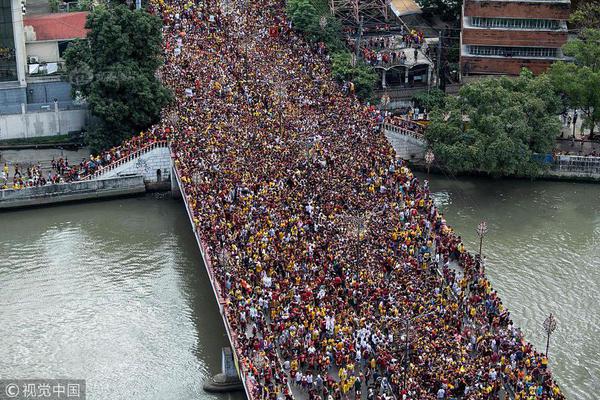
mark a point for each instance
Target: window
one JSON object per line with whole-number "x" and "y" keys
{"x": 516, "y": 23}
{"x": 513, "y": 51}
{"x": 8, "y": 61}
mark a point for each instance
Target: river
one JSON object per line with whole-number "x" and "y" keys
{"x": 114, "y": 292}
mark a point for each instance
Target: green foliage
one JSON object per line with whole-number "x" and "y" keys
{"x": 496, "y": 125}
{"x": 579, "y": 81}
{"x": 435, "y": 99}
{"x": 114, "y": 71}
{"x": 448, "y": 10}
{"x": 362, "y": 75}
{"x": 587, "y": 15}
{"x": 313, "y": 18}
{"x": 53, "y": 5}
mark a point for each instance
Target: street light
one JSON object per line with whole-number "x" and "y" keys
{"x": 407, "y": 323}
{"x": 355, "y": 227}
{"x": 196, "y": 178}
{"x": 482, "y": 230}
{"x": 429, "y": 157}
{"x": 281, "y": 94}
{"x": 385, "y": 100}
{"x": 549, "y": 326}
{"x": 323, "y": 22}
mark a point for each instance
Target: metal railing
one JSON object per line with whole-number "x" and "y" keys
{"x": 579, "y": 164}
{"x": 129, "y": 157}
{"x": 403, "y": 131}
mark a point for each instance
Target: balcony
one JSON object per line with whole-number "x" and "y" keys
{"x": 46, "y": 69}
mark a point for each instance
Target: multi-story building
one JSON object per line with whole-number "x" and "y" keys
{"x": 35, "y": 92}
{"x": 503, "y": 36}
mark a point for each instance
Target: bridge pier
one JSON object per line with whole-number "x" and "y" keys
{"x": 228, "y": 380}
{"x": 175, "y": 191}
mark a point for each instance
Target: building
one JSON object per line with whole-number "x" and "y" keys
{"x": 502, "y": 36}
{"x": 35, "y": 92}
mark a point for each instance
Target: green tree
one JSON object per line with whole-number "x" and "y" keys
{"x": 448, "y": 10}
{"x": 579, "y": 81}
{"x": 313, "y": 18}
{"x": 430, "y": 100}
{"x": 362, "y": 75}
{"x": 496, "y": 126}
{"x": 587, "y": 15}
{"x": 114, "y": 69}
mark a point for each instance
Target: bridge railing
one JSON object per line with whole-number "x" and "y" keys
{"x": 581, "y": 164}
{"x": 123, "y": 160}
{"x": 403, "y": 131}
{"x": 206, "y": 257}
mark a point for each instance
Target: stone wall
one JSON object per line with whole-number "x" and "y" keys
{"x": 406, "y": 146}
{"x": 85, "y": 190}
{"x": 499, "y": 37}
{"x": 43, "y": 123}
{"x": 507, "y": 9}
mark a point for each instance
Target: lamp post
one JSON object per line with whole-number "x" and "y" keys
{"x": 281, "y": 94}
{"x": 429, "y": 157}
{"x": 482, "y": 230}
{"x": 323, "y": 22}
{"x": 549, "y": 326}
{"x": 407, "y": 323}
{"x": 196, "y": 178}
{"x": 356, "y": 228}
{"x": 385, "y": 100}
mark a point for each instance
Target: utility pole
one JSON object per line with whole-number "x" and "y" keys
{"x": 359, "y": 38}
{"x": 439, "y": 60}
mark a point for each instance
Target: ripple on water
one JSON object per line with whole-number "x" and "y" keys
{"x": 114, "y": 296}
{"x": 543, "y": 255}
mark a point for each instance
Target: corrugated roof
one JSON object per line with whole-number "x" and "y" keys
{"x": 58, "y": 26}
{"x": 405, "y": 7}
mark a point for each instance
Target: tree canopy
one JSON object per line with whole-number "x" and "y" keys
{"x": 448, "y": 10}
{"x": 313, "y": 18}
{"x": 496, "y": 125}
{"x": 587, "y": 15}
{"x": 579, "y": 80}
{"x": 430, "y": 100}
{"x": 114, "y": 70}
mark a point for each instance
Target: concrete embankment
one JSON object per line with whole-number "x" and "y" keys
{"x": 76, "y": 191}
{"x": 549, "y": 175}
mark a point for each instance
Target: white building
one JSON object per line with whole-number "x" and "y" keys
{"x": 35, "y": 94}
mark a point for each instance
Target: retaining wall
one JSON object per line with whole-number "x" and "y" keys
{"x": 61, "y": 193}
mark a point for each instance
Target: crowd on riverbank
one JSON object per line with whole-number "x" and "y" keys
{"x": 61, "y": 170}
{"x": 326, "y": 249}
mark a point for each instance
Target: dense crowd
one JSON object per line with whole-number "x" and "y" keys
{"x": 340, "y": 276}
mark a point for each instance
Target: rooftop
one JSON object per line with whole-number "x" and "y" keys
{"x": 57, "y": 26}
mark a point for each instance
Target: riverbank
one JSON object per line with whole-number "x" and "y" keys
{"x": 549, "y": 175}
{"x": 70, "y": 192}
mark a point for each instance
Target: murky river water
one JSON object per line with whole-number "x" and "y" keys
{"x": 113, "y": 291}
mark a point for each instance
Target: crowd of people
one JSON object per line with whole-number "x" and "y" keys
{"x": 341, "y": 278}
{"x": 61, "y": 170}
{"x": 393, "y": 49}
